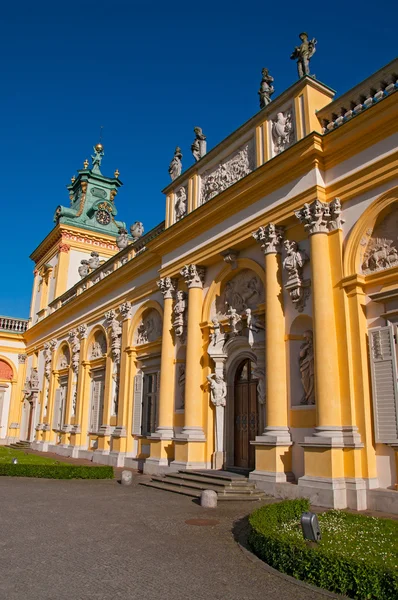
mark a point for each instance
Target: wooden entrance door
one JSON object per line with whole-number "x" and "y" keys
{"x": 246, "y": 415}
{"x": 30, "y": 421}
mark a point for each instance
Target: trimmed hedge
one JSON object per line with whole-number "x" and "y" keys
{"x": 333, "y": 564}
{"x": 57, "y": 471}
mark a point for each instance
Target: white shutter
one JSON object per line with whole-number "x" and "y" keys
{"x": 384, "y": 383}
{"x": 137, "y": 403}
{"x": 57, "y": 410}
{"x": 97, "y": 401}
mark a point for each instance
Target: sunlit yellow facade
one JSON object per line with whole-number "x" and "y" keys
{"x": 281, "y": 279}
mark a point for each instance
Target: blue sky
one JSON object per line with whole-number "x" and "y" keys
{"x": 148, "y": 72}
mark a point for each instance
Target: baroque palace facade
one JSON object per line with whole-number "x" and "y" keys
{"x": 255, "y": 328}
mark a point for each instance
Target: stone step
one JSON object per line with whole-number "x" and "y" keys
{"x": 208, "y": 485}
{"x": 222, "y": 475}
{"x": 173, "y": 488}
{"x": 211, "y": 479}
{"x": 19, "y": 445}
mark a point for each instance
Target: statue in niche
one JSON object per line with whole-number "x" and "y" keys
{"x": 282, "y": 131}
{"x": 216, "y": 335}
{"x": 181, "y": 384}
{"x": 74, "y": 401}
{"x": 259, "y": 374}
{"x": 137, "y": 230}
{"x": 179, "y": 313}
{"x": 294, "y": 260}
{"x": 115, "y": 377}
{"x": 218, "y": 389}
{"x": 98, "y": 347}
{"x": 175, "y": 167}
{"x": 181, "y": 204}
{"x": 94, "y": 260}
{"x": 142, "y": 336}
{"x": 198, "y": 147}
{"x": 266, "y": 88}
{"x": 234, "y": 318}
{"x": 122, "y": 240}
{"x": 306, "y": 362}
{"x": 303, "y": 54}
{"x": 83, "y": 269}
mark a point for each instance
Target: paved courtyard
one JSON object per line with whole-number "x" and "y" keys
{"x": 97, "y": 539}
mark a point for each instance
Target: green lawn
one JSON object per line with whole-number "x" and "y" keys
{"x": 7, "y": 454}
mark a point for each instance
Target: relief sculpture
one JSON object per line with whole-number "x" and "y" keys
{"x": 382, "y": 246}
{"x": 243, "y": 291}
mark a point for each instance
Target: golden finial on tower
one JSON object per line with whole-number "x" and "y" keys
{"x": 73, "y": 179}
{"x": 85, "y": 164}
{"x": 116, "y": 173}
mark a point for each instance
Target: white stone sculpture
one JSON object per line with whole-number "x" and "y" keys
{"x": 115, "y": 332}
{"x": 198, "y": 147}
{"x": 253, "y": 324}
{"x": 175, "y": 166}
{"x": 381, "y": 254}
{"x": 216, "y": 335}
{"x": 296, "y": 285}
{"x": 64, "y": 359}
{"x": 180, "y": 204}
{"x": 234, "y": 168}
{"x": 122, "y": 240}
{"x": 234, "y": 318}
{"x": 32, "y": 385}
{"x": 74, "y": 343}
{"x": 336, "y": 221}
{"x": 49, "y": 348}
{"x": 282, "y": 131}
{"x": 218, "y": 389}
{"x": 179, "y": 312}
{"x": 83, "y": 331}
{"x": 94, "y": 260}
{"x": 137, "y": 230}
{"x": 194, "y": 275}
{"x": 83, "y": 269}
{"x": 99, "y": 346}
{"x": 306, "y": 363}
{"x": 270, "y": 238}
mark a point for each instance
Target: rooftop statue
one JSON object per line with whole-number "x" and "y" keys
{"x": 266, "y": 88}
{"x": 137, "y": 230}
{"x": 122, "y": 240}
{"x": 199, "y": 144}
{"x": 175, "y": 167}
{"x": 97, "y": 158}
{"x": 303, "y": 54}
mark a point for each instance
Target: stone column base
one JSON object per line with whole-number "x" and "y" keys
{"x": 335, "y": 437}
{"x": 273, "y": 458}
{"x": 195, "y": 434}
{"x": 188, "y": 455}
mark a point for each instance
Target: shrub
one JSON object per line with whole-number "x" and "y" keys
{"x": 357, "y": 556}
{"x": 57, "y": 471}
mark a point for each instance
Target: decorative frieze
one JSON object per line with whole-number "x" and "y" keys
{"x": 321, "y": 217}
{"x": 270, "y": 238}
{"x": 194, "y": 275}
{"x": 234, "y": 168}
{"x": 296, "y": 285}
{"x": 167, "y": 285}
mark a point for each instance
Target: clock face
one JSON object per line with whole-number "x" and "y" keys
{"x": 103, "y": 217}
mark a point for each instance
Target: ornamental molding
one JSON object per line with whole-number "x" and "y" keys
{"x": 64, "y": 247}
{"x": 270, "y": 238}
{"x": 193, "y": 275}
{"x": 293, "y": 264}
{"x": 236, "y": 166}
{"x": 321, "y": 217}
{"x": 167, "y": 286}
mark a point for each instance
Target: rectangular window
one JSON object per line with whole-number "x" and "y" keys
{"x": 97, "y": 400}
{"x": 150, "y": 403}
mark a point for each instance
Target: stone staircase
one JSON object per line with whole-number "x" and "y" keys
{"x": 229, "y": 486}
{"x": 20, "y": 445}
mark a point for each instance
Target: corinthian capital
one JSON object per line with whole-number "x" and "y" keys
{"x": 194, "y": 275}
{"x": 320, "y": 217}
{"x": 270, "y": 238}
{"x": 126, "y": 310}
{"x": 167, "y": 285}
